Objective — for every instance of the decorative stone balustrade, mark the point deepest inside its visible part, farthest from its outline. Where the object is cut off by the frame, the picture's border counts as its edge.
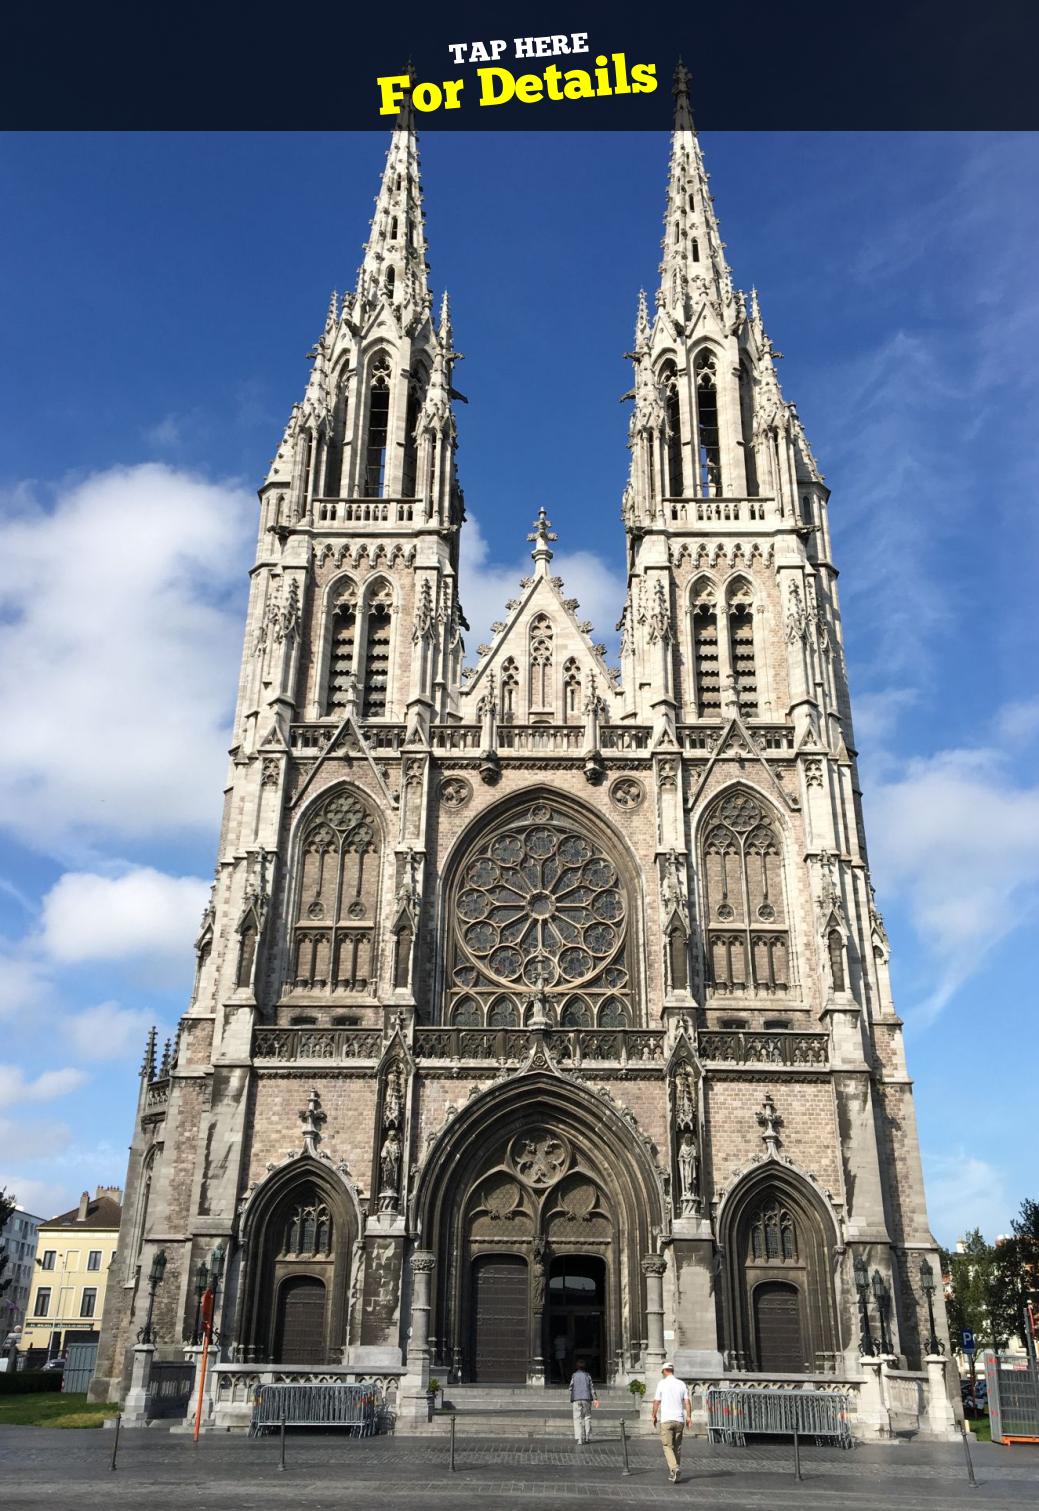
(364, 511)
(700, 511)
(333, 1045)
(568, 1046)
(767, 738)
(730, 1046)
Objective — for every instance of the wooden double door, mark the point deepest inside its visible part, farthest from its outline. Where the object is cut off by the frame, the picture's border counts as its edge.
(573, 1320)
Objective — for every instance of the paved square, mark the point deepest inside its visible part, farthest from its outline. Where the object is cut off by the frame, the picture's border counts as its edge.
(71, 1469)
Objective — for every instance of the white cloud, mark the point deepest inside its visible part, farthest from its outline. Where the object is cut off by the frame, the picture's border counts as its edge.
(964, 1192)
(145, 912)
(958, 839)
(43, 1198)
(1019, 722)
(16, 1090)
(24, 1140)
(108, 1031)
(24, 983)
(120, 628)
(485, 586)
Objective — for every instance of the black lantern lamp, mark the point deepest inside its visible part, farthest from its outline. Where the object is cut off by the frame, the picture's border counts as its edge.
(155, 1274)
(866, 1344)
(882, 1296)
(935, 1346)
(201, 1286)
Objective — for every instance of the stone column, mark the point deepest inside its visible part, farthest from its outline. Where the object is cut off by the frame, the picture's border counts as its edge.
(941, 1421)
(423, 1263)
(653, 1267)
(873, 1419)
(140, 1379)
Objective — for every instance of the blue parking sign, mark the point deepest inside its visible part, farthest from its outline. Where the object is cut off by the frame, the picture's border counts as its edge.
(968, 1340)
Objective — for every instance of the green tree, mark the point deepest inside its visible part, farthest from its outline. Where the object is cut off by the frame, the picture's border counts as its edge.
(979, 1294)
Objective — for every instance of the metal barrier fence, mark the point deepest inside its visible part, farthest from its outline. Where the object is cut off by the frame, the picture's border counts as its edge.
(1013, 1400)
(79, 1366)
(733, 1413)
(356, 1406)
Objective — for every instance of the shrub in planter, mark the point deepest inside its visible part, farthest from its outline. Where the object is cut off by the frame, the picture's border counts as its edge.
(637, 1388)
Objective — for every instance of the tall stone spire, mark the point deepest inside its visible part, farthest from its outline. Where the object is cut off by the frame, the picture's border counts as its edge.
(693, 265)
(394, 267)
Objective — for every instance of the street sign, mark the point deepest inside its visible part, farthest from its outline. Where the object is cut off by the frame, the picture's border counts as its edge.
(968, 1340)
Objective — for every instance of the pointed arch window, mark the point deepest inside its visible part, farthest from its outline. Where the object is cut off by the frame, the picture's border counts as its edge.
(509, 691)
(391, 280)
(746, 931)
(706, 668)
(673, 412)
(835, 950)
(342, 647)
(541, 642)
(416, 389)
(747, 429)
(246, 952)
(337, 897)
(741, 649)
(378, 635)
(571, 691)
(307, 1228)
(773, 1235)
(696, 248)
(393, 229)
(378, 427)
(709, 450)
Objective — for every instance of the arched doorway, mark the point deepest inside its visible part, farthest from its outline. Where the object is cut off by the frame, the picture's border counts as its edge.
(500, 1318)
(778, 1333)
(297, 1241)
(299, 1332)
(538, 1200)
(576, 1316)
(778, 1240)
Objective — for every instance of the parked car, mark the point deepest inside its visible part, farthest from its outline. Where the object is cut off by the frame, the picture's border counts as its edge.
(975, 1403)
(55, 1364)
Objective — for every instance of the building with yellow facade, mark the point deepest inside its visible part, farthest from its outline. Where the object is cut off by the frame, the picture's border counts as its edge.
(74, 1254)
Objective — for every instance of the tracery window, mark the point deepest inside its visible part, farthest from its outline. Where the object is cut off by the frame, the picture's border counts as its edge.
(338, 871)
(541, 637)
(747, 939)
(378, 425)
(307, 1230)
(710, 464)
(539, 907)
(509, 690)
(416, 389)
(571, 691)
(773, 1236)
(706, 669)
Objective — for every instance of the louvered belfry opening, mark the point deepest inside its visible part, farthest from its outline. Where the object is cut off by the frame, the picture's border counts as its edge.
(341, 660)
(705, 657)
(741, 651)
(707, 424)
(378, 428)
(377, 662)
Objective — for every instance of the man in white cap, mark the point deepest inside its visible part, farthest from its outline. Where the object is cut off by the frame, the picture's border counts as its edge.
(673, 1412)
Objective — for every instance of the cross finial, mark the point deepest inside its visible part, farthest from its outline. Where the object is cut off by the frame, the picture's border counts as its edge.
(770, 1121)
(541, 534)
(312, 1119)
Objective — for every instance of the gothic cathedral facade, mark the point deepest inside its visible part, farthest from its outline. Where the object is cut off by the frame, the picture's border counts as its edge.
(542, 1008)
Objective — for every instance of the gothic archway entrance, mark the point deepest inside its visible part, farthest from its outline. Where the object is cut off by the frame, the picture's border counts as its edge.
(576, 1316)
(299, 1332)
(499, 1318)
(538, 1200)
(778, 1333)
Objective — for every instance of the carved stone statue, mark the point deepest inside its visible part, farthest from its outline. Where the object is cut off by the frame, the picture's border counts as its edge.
(537, 1276)
(687, 1172)
(389, 1164)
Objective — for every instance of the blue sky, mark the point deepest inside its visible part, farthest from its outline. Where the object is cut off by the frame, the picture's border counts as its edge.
(158, 296)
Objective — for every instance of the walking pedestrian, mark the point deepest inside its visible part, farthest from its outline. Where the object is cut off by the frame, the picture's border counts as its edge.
(673, 1413)
(583, 1397)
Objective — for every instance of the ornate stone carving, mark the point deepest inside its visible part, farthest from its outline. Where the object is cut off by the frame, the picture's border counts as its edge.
(539, 1157)
(627, 792)
(455, 792)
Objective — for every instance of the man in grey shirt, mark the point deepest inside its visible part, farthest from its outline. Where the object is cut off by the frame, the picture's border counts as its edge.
(582, 1397)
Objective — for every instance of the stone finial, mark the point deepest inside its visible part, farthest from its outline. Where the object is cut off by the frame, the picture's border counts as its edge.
(148, 1063)
(541, 535)
(312, 1119)
(770, 1122)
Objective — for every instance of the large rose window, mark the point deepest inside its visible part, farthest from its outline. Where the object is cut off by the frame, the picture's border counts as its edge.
(539, 907)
